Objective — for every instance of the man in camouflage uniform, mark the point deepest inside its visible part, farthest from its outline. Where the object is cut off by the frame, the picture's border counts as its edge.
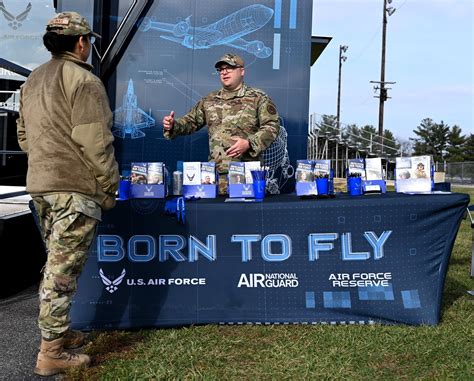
(242, 121)
(65, 128)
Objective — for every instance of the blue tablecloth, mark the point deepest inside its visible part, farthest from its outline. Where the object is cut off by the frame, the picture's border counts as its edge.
(352, 260)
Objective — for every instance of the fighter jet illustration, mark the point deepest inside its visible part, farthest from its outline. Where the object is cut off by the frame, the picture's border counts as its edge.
(129, 119)
(227, 31)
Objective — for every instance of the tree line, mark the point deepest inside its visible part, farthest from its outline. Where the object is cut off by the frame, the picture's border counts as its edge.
(443, 142)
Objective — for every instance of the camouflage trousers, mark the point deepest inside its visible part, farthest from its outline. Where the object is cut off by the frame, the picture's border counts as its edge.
(223, 184)
(68, 234)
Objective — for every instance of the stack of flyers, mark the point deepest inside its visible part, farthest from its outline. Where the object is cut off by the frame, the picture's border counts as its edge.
(322, 168)
(304, 171)
(413, 174)
(416, 167)
(236, 172)
(356, 166)
(420, 167)
(192, 173)
(403, 168)
(138, 174)
(251, 166)
(208, 173)
(373, 168)
(155, 173)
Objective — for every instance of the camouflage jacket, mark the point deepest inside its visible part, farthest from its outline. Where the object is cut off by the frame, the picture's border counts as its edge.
(65, 127)
(247, 113)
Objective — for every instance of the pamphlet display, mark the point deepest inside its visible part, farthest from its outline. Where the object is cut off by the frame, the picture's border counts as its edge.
(192, 173)
(314, 177)
(199, 179)
(356, 168)
(155, 173)
(374, 179)
(370, 172)
(413, 174)
(138, 173)
(208, 173)
(304, 171)
(148, 180)
(240, 178)
(373, 168)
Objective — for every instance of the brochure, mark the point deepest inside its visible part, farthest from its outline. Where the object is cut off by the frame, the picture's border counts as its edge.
(304, 171)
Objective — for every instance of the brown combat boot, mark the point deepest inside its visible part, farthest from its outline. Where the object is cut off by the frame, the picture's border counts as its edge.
(52, 359)
(73, 339)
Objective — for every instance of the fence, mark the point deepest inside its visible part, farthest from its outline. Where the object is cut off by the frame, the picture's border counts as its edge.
(457, 173)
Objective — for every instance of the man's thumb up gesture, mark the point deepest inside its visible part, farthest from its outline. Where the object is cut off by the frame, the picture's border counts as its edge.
(168, 121)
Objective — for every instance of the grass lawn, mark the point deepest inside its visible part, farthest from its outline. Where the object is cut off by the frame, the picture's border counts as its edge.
(302, 352)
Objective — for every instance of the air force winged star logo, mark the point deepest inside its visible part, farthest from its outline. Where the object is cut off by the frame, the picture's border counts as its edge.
(111, 285)
(14, 22)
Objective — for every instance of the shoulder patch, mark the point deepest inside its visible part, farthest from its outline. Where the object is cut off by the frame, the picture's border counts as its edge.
(271, 109)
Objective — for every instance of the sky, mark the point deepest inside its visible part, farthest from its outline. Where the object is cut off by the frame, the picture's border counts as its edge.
(429, 54)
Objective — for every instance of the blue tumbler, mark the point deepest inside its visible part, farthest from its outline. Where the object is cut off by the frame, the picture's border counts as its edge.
(259, 183)
(124, 190)
(355, 186)
(322, 185)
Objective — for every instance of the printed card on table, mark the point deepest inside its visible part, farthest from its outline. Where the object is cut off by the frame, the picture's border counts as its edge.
(304, 171)
(236, 172)
(155, 173)
(251, 166)
(192, 173)
(208, 173)
(373, 168)
(138, 173)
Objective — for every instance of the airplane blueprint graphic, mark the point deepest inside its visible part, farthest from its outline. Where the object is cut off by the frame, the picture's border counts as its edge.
(129, 119)
(226, 31)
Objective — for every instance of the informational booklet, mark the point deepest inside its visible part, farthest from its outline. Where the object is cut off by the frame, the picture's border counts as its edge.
(138, 173)
(413, 174)
(192, 173)
(208, 173)
(356, 166)
(155, 173)
(373, 168)
(304, 171)
(420, 167)
(321, 168)
(251, 166)
(236, 172)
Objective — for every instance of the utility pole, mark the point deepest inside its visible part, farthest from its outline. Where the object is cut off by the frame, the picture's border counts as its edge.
(342, 58)
(387, 10)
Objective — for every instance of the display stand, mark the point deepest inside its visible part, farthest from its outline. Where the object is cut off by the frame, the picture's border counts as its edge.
(241, 190)
(200, 191)
(148, 190)
(309, 188)
(374, 186)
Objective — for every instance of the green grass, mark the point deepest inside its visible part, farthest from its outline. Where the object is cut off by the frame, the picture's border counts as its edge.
(212, 352)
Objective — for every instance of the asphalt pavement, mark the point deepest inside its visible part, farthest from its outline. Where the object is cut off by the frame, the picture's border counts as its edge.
(20, 336)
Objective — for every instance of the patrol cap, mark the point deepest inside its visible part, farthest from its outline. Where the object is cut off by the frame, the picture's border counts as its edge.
(70, 24)
(230, 59)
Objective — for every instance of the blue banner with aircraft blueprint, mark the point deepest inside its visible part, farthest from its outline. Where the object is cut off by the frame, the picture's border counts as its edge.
(377, 259)
(169, 65)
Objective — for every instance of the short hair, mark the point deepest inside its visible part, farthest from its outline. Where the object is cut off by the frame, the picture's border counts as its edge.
(58, 43)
